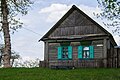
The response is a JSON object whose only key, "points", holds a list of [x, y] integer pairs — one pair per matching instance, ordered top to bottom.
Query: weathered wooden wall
{"points": [[76, 24], [118, 53], [114, 57], [96, 62]]}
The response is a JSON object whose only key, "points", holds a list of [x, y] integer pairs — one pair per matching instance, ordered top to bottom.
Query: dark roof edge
{"points": [[115, 44]]}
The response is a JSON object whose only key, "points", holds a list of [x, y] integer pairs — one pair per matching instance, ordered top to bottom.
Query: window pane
{"points": [[86, 48], [65, 52], [86, 54]]}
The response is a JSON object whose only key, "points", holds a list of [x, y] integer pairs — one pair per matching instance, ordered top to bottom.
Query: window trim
{"points": [[85, 50], [62, 52], [80, 55]]}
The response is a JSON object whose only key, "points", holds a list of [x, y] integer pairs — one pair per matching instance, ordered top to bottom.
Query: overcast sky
{"points": [[41, 17]]}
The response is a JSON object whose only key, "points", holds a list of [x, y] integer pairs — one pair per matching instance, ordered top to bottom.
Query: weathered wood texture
{"points": [[76, 24], [98, 53], [46, 55], [114, 57], [118, 59], [79, 63]]}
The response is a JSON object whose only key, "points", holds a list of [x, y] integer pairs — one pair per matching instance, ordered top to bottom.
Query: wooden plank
{"points": [[46, 51], [105, 52], [46, 54], [118, 57]]}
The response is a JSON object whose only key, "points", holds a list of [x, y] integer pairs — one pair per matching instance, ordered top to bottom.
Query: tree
{"points": [[10, 9], [111, 11], [1, 53], [14, 55]]}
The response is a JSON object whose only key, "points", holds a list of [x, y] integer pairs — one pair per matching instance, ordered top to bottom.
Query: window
{"points": [[65, 52], [85, 52]]}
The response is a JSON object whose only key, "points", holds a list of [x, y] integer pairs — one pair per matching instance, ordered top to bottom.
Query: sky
{"points": [[41, 17]]}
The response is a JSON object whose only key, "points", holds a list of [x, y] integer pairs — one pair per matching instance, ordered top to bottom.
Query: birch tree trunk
{"points": [[5, 27]]}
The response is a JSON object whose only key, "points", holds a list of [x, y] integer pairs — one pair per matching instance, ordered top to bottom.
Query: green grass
{"points": [[51, 74]]}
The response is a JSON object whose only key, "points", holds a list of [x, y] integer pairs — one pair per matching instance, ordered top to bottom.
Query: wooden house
{"points": [[76, 40]]}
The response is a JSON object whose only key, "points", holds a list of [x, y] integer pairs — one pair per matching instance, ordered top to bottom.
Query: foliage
{"points": [[14, 8], [9, 9], [111, 11], [17, 61], [26, 63], [50, 74]]}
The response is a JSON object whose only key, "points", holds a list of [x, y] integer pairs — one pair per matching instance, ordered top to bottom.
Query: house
{"points": [[76, 40]]}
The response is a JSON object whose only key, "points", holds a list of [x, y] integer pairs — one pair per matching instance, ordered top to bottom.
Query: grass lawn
{"points": [[51, 74]]}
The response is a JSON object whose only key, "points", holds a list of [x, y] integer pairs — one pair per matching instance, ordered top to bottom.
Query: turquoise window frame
{"points": [[80, 52], [60, 53]]}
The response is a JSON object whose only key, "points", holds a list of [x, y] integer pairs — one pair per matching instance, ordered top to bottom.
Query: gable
{"points": [[75, 23]]}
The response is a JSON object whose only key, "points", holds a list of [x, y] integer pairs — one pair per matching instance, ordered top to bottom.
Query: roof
{"points": [[66, 15]]}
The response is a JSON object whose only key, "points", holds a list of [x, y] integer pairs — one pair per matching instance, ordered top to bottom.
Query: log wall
{"points": [[98, 53]]}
